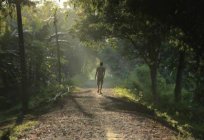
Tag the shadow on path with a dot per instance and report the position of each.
(118, 104)
(80, 108)
(123, 104)
(85, 91)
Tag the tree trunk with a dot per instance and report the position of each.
(0, 26)
(24, 96)
(153, 74)
(179, 76)
(58, 48)
(198, 96)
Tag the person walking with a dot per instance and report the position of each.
(100, 73)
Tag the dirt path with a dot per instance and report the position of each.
(89, 116)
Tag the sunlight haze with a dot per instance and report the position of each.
(58, 2)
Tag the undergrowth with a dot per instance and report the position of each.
(43, 101)
(173, 114)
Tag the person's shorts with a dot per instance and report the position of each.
(99, 79)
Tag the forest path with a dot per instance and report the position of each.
(86, 115)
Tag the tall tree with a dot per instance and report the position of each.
(58, 46)
(24, 94)
(179, 75)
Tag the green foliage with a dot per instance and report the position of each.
(80, 79)
(128, 94)
(1, 133)
(139, 78)
(18, 130)
(48, 94)
(4, 102)
(41, 56)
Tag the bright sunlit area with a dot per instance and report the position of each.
(101, 70)
(59, 3)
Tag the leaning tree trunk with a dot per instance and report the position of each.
(153, 74)
(24, 96)
(179, 76)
